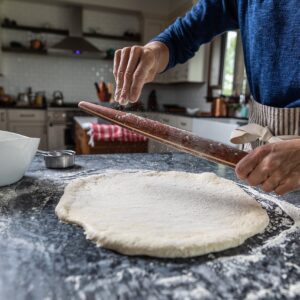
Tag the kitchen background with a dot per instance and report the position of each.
(34, 76)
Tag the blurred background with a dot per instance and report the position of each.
(56, 53)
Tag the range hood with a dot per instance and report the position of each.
(75, 43)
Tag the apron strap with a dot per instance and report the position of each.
(253, 132)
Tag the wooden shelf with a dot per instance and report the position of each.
(66, 32)
(46, 53)
(113, 37)
(37, 29)
(24, 51)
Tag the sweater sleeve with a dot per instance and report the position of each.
(207, 19)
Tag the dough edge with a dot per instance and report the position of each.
(142, 249)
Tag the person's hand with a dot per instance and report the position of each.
(276, 167)
(135, 66)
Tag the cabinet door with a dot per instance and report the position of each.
(214, 130)
(3, 121)
(185, 123)
(36, 130)
(153, 27)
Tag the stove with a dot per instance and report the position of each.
(61, 127)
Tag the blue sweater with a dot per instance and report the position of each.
(270, 32)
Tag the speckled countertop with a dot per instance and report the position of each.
(41, 258)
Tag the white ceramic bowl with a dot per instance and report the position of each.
(16, 154)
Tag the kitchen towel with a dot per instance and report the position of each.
(112, 133)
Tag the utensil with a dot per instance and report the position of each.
(58, 159)
(16, 154)
(58, 98)
(177, 138)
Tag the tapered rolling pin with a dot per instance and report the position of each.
(168, 135)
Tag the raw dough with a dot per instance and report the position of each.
(163, 214)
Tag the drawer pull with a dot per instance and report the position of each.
(27, 116)
(183, 124)
(165, 120)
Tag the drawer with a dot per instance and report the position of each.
(21, 115)
(168, 119)
(185, 123)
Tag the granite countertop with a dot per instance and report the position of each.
(42, 258)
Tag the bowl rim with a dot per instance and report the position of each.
(14, 137)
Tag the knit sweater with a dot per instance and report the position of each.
(270, 31)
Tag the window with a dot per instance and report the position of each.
(234, 74)
(229, 63)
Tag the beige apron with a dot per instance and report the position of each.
(267, 125)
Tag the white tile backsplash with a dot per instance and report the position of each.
(74, 77)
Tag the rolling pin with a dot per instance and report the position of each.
(168, 135)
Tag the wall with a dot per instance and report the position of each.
(76, 77)
(160, 7)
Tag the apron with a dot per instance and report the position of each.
(267, 125)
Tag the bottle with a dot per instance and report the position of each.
(152, 101)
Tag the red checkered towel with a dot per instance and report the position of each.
(111, 133)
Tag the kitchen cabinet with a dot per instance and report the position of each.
(192, 71)
(29, 122)
(210, 128)
(216, 129)
(3, 119)
(152, 27)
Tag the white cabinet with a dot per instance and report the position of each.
(3, 119)
(210, 128)
(192, 71)
(153, 27)
(184, 123)
(29, 122)
(216, 129)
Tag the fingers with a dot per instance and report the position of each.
(133, 61)
(133, 67)
(272, 182)
(117, 59)
(125, 53)
(246, 166)
(139, 79)
(290, 184)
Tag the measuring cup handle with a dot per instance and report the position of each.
(43, 153)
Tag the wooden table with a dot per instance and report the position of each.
(105, 147)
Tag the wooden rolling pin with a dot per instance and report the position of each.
(168, 135)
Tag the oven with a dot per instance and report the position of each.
(61, 128)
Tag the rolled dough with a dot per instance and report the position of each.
(163, 214)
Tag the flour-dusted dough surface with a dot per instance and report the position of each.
(163, 214)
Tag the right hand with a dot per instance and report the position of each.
(134, 67)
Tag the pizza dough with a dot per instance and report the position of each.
(163, 214)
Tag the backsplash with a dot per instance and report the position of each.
(74, 77)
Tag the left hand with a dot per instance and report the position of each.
(276, 167)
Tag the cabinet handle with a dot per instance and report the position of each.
(183, 124)
(2, 117)
(165, 120)
(27, 116)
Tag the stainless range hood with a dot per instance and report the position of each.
(75, 43)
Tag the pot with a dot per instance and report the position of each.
(58, 159)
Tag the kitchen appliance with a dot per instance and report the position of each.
(61, 127)
(58, 159)
(23, 100)
(174, 137)
(75, 43)
(58, 98)
(16, 154)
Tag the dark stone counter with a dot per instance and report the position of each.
(42, 258)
